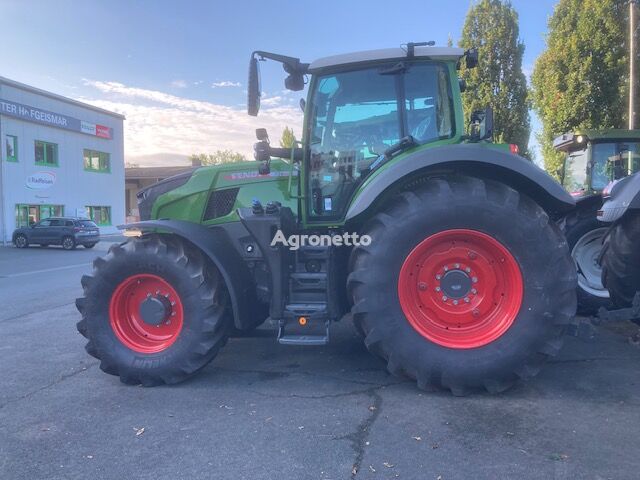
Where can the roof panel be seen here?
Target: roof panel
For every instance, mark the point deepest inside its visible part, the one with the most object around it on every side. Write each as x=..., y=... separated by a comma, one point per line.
x=439, y=53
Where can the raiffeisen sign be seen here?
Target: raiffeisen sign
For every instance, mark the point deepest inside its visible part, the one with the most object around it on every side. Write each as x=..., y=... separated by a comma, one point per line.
x=40, y=180
x=44, y=117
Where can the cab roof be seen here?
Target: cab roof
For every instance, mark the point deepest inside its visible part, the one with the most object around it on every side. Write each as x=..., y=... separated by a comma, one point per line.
x=366, y=56
x=578, y=139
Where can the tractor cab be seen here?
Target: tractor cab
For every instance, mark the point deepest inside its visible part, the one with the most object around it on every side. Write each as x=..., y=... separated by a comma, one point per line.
x=364, y=109
x=596, y=158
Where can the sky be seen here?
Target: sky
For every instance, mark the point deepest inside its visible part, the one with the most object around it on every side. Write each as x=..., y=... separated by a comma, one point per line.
x=178, y=69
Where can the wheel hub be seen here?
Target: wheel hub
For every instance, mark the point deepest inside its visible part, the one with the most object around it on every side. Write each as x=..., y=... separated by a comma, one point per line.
x=456, y=284
x=155, y=310
x=460, y=289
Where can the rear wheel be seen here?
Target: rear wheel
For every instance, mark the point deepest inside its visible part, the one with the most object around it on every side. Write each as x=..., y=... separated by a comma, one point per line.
x=21, y=241
x=455, y=295
x=621, y=260
x=89, y=245
x=154, y=311
x=585, y=235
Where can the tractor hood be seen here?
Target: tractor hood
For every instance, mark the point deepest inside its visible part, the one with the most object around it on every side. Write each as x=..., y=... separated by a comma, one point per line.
x=190, y=195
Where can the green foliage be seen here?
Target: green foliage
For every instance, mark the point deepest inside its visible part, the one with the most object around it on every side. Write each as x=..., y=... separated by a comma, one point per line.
x=491, y=26
x=580, y=80
x=288, y=139
x=218, y=157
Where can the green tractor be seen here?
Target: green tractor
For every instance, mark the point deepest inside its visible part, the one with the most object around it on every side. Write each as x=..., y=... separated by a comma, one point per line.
x=443, y=248
x=593, y=159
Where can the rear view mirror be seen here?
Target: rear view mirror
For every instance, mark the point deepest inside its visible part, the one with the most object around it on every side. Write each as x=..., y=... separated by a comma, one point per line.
x=471, y=58
x=253, y=88
x=481, y=127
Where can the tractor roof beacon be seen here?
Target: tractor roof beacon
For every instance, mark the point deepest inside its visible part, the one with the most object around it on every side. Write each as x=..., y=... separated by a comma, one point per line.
x=593, y=159
x=464, y=282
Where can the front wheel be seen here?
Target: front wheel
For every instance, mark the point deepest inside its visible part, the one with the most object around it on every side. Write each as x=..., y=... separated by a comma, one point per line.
x=466, y=284
x=68, y=243
x=585, y=235
x=154, y=311
x=621, y=260
x=21, y=241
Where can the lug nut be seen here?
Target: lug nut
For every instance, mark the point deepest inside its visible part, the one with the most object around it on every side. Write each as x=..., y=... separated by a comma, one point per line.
x=446, y=269
x=173, y=314
x=437, y=289
x=466, y=300
x=455, y=302
x=474, y=291
x=438, y=277
x=457, y=265
x=148, y=295
x=444, y=298
x=468, y=270
x=474, y=279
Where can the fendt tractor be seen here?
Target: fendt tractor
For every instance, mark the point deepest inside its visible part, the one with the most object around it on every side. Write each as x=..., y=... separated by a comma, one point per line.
x=594, y=158
x=621, y=251
x=461, y=279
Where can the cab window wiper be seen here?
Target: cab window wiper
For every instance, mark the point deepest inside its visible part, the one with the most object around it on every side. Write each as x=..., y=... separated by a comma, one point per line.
x=400, y=146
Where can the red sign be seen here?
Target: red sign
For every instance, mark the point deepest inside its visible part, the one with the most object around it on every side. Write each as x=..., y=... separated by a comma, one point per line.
x=103, y=132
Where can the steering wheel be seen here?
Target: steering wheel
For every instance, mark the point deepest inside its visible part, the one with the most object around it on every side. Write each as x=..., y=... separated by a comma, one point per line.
x=420, y=132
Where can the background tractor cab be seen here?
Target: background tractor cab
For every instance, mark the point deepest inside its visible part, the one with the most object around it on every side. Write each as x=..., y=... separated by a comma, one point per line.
x=594, y=158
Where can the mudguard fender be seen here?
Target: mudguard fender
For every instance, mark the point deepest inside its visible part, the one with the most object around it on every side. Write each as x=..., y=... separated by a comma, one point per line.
x=467, y=159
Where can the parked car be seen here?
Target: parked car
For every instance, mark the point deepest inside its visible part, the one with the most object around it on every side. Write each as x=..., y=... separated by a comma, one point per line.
x=66, y=231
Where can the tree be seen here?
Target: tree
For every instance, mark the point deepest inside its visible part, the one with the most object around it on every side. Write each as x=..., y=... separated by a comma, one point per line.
x=580, y=80
x=216, y=158
x=288, y=139
x=492, y=27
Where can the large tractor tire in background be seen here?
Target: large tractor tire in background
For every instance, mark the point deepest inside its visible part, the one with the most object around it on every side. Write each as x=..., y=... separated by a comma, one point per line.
x=466, y=284
x=621, y=260
x=154, y=311
x=585, y=235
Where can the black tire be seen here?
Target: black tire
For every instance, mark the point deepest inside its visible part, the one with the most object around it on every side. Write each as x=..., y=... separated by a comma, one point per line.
x=68, y=243
x=202, y=293
x=621, y=260
x=89, y=245
x=21, y=241
x=521, y=226
x=585, y=234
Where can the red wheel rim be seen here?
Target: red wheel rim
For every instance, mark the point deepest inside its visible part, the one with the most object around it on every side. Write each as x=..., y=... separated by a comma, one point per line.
x=460, y=289
x=126, y=319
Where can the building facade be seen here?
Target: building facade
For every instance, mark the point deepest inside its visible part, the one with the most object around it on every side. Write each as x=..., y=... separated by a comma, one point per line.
x=60, y=157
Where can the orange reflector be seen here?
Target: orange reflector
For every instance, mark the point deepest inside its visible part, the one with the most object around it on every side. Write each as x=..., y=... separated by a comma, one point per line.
x=302, y=321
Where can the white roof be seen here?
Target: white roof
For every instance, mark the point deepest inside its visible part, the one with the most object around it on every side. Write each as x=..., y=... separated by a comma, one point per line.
x=55, y=96
x=439, y=53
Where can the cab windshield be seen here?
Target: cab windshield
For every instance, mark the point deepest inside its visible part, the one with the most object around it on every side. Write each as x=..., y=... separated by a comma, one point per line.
x=358, y=115
x=609, y=161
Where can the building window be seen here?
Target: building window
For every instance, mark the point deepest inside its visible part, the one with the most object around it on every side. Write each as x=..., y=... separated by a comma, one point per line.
x=100, y=215
x=46, y=154
x=29, y=214
x=11, y=147
x=97, y=161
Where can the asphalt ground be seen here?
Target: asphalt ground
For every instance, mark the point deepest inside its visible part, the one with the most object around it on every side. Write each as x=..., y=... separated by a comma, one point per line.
x=264, y=411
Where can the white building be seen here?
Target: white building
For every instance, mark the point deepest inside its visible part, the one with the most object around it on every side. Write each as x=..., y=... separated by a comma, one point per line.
x=59, y=157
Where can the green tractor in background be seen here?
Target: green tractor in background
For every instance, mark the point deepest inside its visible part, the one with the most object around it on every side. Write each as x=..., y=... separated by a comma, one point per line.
x=443, y=248
x=594, y=159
